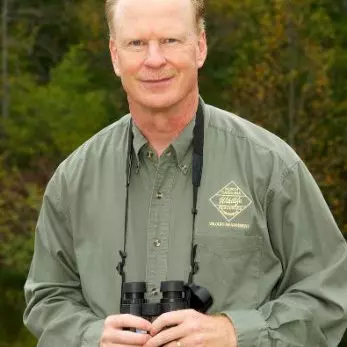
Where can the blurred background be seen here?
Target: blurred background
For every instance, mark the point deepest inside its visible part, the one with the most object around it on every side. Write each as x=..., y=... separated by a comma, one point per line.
x=279, y=63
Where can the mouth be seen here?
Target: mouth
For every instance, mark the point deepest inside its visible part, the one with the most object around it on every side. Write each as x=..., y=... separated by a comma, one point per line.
x=158, y=80
x=157, y=83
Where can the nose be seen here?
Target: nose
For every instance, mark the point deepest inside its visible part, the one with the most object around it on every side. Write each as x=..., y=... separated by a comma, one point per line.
x=154, y=57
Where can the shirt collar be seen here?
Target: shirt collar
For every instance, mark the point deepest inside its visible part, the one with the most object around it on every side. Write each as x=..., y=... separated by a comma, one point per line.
x=183, y=141
x=138, y=141
x=181, y=144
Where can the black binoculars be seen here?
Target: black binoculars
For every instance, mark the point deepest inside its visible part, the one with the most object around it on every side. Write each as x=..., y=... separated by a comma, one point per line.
x=176, y=295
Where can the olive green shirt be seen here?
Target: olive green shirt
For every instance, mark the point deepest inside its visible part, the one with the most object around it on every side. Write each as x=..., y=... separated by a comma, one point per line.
x=269, y=250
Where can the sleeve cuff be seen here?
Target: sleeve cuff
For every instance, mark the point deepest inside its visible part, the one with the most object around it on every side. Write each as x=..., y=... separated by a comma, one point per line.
x=249, y=325
x=91, y=337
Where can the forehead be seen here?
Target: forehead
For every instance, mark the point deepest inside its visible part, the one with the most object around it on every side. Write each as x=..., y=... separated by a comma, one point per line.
x=153, y=16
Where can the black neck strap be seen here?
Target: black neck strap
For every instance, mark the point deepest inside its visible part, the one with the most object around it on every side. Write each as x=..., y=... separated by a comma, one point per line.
x=197, y=165
x=123, y=253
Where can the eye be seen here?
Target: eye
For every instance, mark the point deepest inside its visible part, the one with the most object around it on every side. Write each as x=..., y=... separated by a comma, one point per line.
x=169, y=40
x=136, y=43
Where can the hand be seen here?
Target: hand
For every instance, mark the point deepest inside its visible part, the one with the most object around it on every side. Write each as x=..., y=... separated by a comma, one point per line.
x=113, y=334
x=191, y=328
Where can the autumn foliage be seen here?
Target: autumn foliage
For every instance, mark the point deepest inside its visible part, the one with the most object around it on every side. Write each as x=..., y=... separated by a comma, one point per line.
x=279, y=63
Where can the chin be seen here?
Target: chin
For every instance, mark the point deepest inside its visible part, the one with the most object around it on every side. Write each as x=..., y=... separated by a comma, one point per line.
x=159, y=102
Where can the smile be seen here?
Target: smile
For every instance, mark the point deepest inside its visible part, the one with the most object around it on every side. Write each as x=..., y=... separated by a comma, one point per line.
x=157, y=83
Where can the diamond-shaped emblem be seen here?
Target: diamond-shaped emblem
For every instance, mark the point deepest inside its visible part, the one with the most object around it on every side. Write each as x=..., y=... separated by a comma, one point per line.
x=230, y=201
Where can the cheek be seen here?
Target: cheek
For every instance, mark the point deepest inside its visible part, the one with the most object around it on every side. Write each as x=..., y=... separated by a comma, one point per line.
x=183, y=64
x=129, y=65
x=189, y=60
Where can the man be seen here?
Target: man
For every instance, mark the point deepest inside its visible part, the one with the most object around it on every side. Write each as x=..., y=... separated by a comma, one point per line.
x=268, y=248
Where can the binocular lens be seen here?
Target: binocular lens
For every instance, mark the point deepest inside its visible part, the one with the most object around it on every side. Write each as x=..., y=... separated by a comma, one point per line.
x=134, y=298
x=134, y=292
x=173, y=296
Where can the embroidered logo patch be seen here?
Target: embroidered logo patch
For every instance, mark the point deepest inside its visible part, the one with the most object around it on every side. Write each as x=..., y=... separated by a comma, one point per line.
x=230, y=201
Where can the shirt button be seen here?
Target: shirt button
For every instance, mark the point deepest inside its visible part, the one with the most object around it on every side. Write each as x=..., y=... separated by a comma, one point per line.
x=157, y=243
x=150, y=154
x=168, y=154
x=154, y=292
x=184, y=168
x=159, y=195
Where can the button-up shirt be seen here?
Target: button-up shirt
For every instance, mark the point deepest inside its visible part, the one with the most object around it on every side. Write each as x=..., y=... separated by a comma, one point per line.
x=269, y=250
x=160, y=223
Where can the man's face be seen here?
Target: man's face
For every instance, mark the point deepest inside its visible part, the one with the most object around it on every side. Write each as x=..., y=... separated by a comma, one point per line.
x=156, y=51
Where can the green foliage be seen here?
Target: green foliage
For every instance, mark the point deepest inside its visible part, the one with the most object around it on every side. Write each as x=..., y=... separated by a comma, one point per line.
x=19, y=205
x=11, y=308
x=52, y=120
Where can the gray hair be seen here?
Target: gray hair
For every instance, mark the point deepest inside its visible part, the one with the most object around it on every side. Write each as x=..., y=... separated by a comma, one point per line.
x=199, y=7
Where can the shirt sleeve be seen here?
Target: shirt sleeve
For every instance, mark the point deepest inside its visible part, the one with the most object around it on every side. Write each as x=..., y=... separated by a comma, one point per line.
x=308, y=306
x=56, y=311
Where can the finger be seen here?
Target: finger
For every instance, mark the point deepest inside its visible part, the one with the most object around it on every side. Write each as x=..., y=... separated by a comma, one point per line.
x=183, y=342
x=116, y=336
x=127, y=321
x=169, y=319
x=188, y=341
x=168, y=335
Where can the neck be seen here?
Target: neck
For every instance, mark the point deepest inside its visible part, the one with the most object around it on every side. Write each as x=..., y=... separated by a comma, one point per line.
x=162, y=126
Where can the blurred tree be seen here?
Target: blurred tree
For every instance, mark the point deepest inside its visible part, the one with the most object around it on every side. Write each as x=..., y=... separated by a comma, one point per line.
x=50, y=121
x=19, y=204
x=279, y=63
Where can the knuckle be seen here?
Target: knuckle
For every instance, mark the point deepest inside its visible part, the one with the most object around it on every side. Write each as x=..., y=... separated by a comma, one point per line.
x=108, y=321
x=194, y=326
x=192, y=313
x=164, y=318
x=197, y=314
x=120, y=319
x=199, y=340
x=114, y=321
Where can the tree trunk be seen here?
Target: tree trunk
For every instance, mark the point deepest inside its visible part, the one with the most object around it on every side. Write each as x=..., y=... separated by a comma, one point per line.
x=5, y=82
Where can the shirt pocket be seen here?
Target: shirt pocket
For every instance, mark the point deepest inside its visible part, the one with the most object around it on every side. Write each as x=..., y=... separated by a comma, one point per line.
x=229, y=267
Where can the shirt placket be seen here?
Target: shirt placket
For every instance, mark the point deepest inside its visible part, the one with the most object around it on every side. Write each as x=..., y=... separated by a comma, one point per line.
x=159, y=223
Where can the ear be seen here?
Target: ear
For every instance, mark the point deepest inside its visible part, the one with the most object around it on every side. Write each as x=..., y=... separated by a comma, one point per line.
x=114, y=56
x=202, y=49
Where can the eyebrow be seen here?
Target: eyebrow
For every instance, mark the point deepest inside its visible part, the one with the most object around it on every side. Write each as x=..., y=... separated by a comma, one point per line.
x=180, y=36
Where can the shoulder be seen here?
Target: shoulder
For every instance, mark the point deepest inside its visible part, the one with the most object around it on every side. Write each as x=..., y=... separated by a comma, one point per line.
x=241, y=132
x=95, y=153
x=114, y=133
